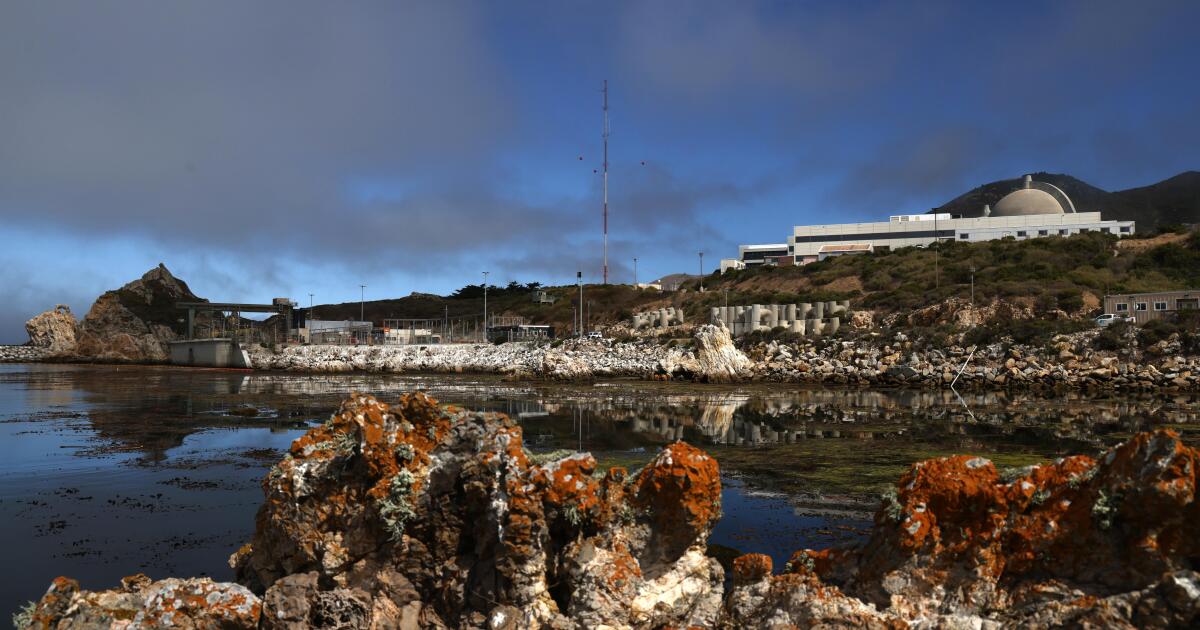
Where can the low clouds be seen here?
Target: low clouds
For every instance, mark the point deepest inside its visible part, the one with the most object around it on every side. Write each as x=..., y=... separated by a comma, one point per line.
x=205, y=122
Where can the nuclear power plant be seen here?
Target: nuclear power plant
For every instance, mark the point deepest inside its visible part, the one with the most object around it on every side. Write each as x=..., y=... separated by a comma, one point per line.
x=1034, y=210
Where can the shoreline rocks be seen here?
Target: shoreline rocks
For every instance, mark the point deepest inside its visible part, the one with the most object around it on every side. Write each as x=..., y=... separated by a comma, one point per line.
x=53, y=330
x=1068, y=363
x=420, y=515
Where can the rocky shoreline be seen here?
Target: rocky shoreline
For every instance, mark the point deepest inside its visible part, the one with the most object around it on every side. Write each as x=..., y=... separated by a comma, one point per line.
x=1067, y=362
x=133, y=325
x=419, y=515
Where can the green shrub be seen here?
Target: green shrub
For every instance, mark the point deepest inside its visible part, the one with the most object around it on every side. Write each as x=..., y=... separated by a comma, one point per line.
x=1112, y=338
x=1156, y=330
x=1070, y=300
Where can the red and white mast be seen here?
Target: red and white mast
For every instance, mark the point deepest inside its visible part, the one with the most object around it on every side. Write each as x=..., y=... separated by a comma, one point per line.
x=605, y=136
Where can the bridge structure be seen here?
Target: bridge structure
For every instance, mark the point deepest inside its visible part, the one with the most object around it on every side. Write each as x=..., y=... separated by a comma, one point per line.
x=281, y=306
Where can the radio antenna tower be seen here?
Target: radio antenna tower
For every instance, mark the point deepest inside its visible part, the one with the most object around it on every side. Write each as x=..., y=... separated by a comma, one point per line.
x=605, y=136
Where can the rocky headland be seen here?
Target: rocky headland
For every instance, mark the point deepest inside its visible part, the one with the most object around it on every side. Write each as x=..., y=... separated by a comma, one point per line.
x=128, y=325
x=416, y=515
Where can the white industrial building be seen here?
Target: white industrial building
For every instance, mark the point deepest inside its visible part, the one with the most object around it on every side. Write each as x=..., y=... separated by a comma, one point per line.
x=1035, y=210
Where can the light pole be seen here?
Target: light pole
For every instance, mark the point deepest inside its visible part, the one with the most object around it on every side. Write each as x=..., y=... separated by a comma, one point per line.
x=702, y=272
x=362, y=304
x=579, y=278
x=485, y=324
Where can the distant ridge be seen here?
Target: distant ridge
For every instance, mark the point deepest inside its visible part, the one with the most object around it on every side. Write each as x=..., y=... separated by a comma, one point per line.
x=1174, y=200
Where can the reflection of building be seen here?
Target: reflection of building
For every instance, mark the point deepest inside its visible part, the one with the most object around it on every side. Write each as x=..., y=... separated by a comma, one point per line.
x=1035, y=210
x=1147, y=306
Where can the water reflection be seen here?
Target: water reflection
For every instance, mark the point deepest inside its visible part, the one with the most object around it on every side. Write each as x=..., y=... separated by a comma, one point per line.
x=105, y=470
x=152, y=410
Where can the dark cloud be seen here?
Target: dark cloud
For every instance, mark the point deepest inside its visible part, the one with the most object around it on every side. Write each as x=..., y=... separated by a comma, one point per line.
x=413, y=138
x=205, y=122
x=913, y=169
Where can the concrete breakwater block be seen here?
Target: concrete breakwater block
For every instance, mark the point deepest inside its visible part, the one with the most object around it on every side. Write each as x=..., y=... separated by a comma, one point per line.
x=805, y=318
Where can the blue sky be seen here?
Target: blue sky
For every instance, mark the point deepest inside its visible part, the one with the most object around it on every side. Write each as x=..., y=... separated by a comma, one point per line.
x=281, y=148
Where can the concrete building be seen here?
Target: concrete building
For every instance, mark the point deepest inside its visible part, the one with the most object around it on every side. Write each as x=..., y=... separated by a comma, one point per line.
x=1147, y=306
x=1035, y=210
x=757, y=255
x=219, y=352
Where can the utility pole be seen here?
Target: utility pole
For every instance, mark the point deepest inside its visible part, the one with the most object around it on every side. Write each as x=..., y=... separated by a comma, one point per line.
x=702, y=272
x=362, y=309
x=310, y=317
x=485, y=322
x=579, y=278
x=605, y=136
x=635, y=285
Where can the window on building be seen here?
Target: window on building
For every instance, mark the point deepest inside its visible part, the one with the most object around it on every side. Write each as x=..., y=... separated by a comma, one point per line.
x=1064, y=232
x=1106, y=230
x=963, y=236
x=1125, y=228
x=1140, y=306
x=1020, y=232
x=1122, y=307
x=1160, y=306
x=1043, y=232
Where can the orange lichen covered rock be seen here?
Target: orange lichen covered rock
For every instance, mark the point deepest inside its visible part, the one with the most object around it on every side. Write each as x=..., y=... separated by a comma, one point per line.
x=682, y=488
x=1110, y=541
x=751, y=567
x=171, y=603
x=414, y=514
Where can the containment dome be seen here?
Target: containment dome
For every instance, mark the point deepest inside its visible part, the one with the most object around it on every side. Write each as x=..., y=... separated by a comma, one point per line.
x=1025, y=202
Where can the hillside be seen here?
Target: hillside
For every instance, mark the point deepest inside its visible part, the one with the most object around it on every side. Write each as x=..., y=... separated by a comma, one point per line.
x=1171, y=201
x=1070, y=274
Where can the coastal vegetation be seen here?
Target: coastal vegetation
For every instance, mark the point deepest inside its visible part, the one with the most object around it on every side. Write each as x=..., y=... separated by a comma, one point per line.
x=1049, y=275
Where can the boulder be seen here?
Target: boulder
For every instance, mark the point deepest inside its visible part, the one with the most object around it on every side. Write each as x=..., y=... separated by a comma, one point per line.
x=862, y=320
x=53, y=330
x=417, y=512
x=195, y=603
x=717, y=359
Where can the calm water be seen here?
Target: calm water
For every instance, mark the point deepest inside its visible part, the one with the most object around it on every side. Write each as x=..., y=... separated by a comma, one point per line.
x=108, y=471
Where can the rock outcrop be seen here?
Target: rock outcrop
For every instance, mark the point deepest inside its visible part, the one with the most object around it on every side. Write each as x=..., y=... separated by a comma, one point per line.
x=1079, y=542
x=140, y=603
x=415, y=515
x=134, y=323
x=53, y=330
x=717, y=359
